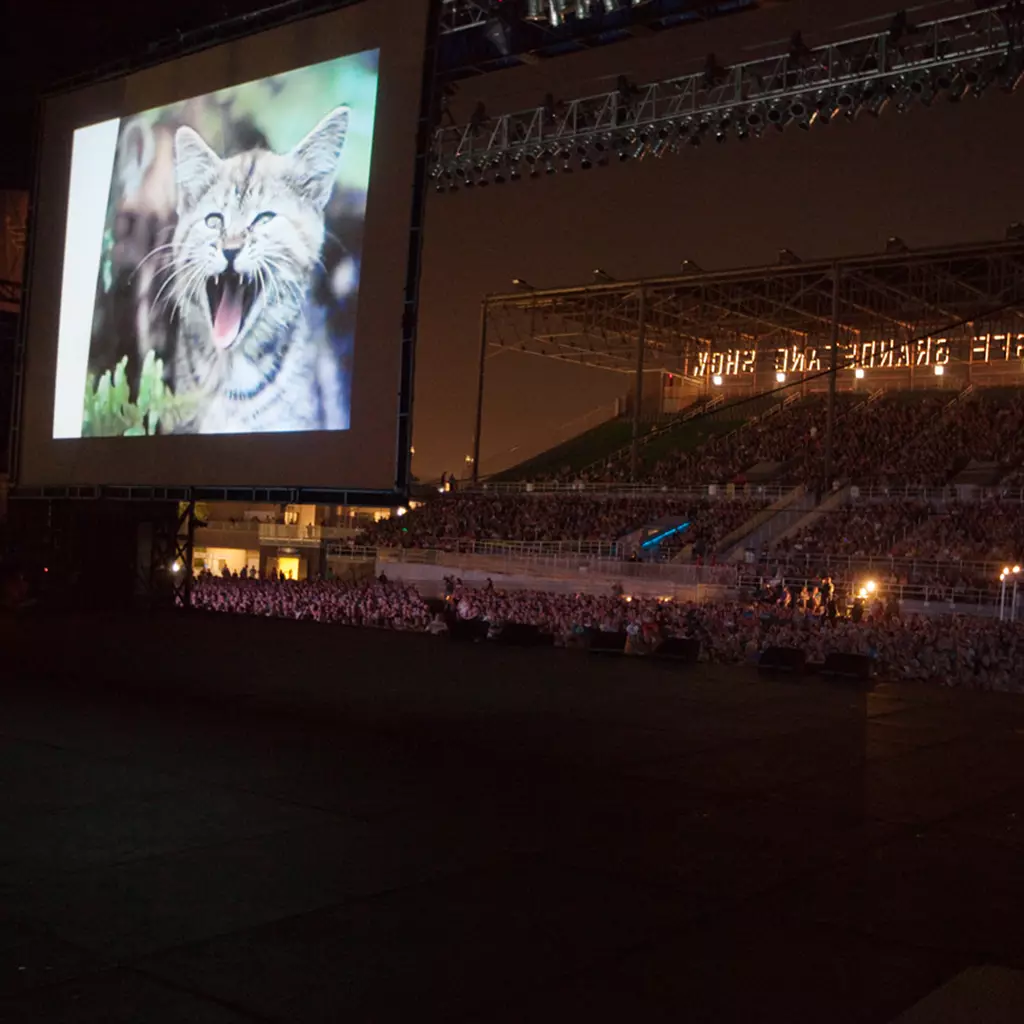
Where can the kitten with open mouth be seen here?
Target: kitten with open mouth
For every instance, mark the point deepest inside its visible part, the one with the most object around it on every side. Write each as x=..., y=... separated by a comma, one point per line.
x=248, y=241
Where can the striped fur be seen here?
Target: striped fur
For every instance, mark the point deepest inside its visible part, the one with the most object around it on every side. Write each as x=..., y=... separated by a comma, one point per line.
x=257, y=219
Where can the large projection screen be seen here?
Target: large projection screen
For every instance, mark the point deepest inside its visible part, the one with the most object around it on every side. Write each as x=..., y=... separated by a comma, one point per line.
x=219, y=263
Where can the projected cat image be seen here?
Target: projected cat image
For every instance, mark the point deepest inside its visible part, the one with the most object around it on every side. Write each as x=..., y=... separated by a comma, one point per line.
x=249, y=236
x=213, y=260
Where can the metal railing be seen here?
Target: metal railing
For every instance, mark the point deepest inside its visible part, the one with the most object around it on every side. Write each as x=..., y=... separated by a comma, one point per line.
x=881, y=567
x=963, y=493
x=305, y=534
x=924, y=593
x=597, y=488
x=235, y=526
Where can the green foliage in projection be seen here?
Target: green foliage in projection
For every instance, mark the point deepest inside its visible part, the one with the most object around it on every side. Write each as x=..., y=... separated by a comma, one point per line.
x=110, y=411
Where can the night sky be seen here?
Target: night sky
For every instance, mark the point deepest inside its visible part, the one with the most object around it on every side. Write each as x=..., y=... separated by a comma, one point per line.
x=951, y=173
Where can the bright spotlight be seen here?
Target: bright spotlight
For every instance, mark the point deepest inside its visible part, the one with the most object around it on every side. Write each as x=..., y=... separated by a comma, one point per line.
x=939, y=371
x=176, y=567
x=870, y=586
x=1016, y=568
x=780, y=377
x=717, y=380
x=859, y=373
x=401, y=510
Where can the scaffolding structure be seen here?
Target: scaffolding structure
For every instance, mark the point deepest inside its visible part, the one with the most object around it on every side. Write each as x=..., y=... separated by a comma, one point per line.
x=956, y=307
x=953, y=57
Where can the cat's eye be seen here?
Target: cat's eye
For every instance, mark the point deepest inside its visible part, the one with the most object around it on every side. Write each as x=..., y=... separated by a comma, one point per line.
x=263, y=218
x=214, y=221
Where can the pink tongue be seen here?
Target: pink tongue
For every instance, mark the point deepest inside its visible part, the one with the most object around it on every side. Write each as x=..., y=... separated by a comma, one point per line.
x=228, y=318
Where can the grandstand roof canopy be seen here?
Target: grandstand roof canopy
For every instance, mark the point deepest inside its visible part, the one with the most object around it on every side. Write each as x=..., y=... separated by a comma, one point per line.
x=951, y=291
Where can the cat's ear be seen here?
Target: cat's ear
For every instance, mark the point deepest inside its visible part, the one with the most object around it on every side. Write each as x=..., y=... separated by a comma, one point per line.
x=195, y=167
x=315, y=158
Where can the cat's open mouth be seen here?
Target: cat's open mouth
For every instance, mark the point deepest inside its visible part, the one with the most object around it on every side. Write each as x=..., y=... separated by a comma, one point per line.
x=231, y=297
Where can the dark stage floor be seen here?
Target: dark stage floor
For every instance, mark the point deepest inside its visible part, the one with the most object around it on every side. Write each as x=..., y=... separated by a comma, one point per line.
x=220, y=820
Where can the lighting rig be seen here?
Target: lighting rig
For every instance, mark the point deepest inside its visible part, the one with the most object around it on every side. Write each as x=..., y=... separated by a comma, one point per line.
x=952, y=59
x=462, y=15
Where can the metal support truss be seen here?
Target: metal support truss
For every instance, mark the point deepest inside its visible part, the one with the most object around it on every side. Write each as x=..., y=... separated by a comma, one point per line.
x=888, y=300
x=954, y=56
x=460, y=15
x=170, y=569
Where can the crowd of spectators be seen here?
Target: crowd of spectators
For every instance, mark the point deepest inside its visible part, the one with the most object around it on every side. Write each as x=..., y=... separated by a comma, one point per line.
x=869, y=436
x=920, y=438
x=986, y=426
x=982, y=531
x=855, y=530
x=774, y=438
x=949, y=650
x=369, y=603
x=450, y=519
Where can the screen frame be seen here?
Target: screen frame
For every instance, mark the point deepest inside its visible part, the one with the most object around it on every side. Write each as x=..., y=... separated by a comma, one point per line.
x=344, y=491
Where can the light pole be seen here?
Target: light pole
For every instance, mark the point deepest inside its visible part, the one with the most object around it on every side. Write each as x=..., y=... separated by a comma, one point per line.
x=1012, y=575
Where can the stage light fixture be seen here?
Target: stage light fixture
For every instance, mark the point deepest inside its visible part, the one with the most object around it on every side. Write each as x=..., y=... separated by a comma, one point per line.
x=859, y=373
x=799, y=114
x=556, y=13
x=535, y=10
x=845, y=105
x=921, y=90
x=939, y=371
x=780, y=377
x=717, y=380
x=610, y=6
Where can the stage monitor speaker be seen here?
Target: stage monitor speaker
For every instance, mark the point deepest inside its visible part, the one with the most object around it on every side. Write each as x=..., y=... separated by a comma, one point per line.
x=466, y=631
x=847, y=666
x=685, y=650
x=607, y=643
x=782, y=659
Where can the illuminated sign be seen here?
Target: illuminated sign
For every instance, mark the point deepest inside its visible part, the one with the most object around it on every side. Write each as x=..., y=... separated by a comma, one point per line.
x=881, y=354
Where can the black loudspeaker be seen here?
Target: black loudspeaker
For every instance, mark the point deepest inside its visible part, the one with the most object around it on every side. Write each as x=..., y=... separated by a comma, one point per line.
x=847, y=666
x=466, y=631
x=685, y=650
x=520, y=634
x=607, y=643
x=782, y=659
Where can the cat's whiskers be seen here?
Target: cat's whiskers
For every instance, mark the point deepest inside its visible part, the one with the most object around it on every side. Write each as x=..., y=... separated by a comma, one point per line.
x=171, y=283
x=150, y=255
x=283, y=278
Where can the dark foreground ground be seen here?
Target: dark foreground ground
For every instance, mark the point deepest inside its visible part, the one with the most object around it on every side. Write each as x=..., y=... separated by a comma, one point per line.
x=221, y=820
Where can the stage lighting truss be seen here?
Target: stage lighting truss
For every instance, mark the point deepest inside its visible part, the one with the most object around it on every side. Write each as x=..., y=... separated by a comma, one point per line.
x=461, y=15
x=954, y=57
